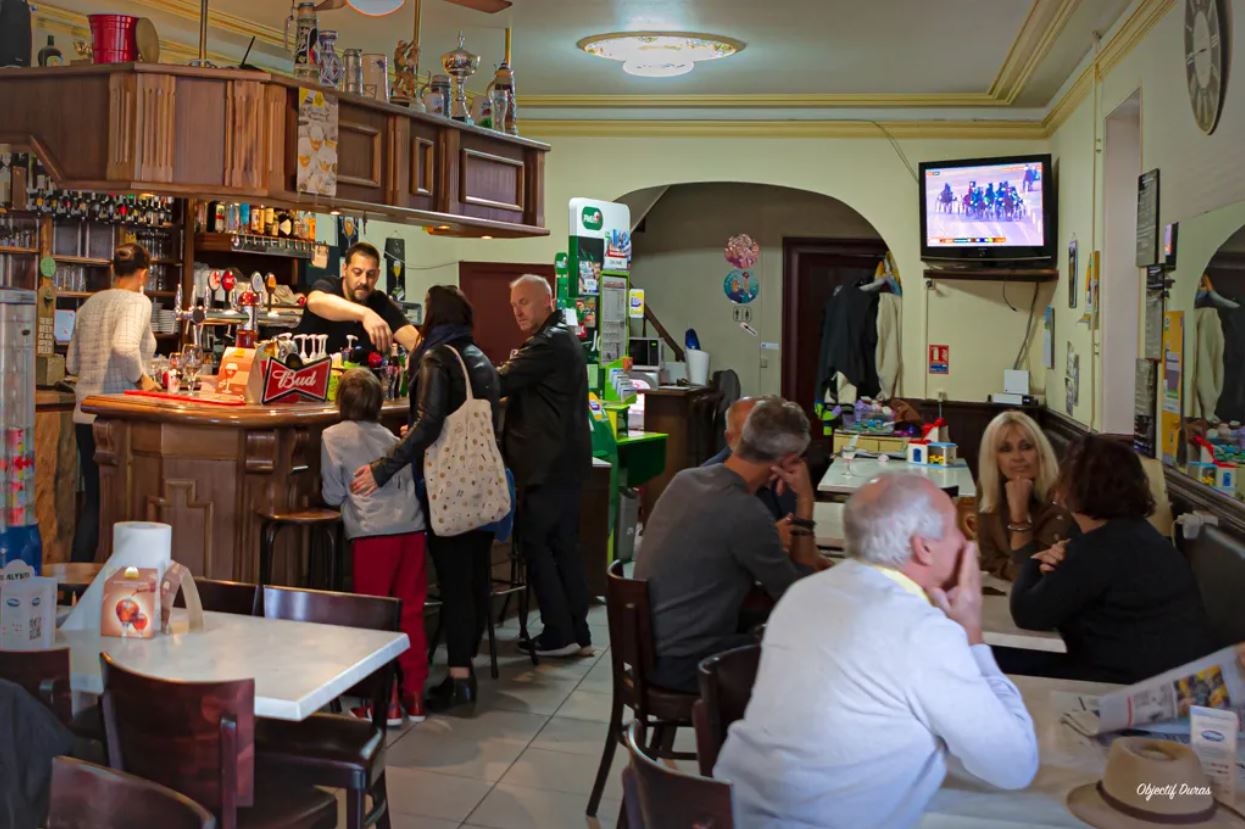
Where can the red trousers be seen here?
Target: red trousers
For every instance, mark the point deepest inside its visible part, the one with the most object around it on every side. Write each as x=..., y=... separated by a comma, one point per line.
x=393, y=565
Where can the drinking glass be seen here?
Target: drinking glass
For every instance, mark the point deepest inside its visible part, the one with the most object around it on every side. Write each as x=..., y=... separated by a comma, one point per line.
x=192, y=361
x=849, y=454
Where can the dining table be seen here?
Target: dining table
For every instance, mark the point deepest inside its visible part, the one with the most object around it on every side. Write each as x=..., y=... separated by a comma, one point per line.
x=844, y=477
x=1067, y=759
x=298, y=667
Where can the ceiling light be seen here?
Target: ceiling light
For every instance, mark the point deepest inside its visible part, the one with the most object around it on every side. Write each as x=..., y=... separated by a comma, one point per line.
x=659, y=54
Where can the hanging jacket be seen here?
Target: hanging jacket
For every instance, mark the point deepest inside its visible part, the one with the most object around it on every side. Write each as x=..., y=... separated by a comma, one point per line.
x=1207, y=361
x=849, y=339
x=888, y=359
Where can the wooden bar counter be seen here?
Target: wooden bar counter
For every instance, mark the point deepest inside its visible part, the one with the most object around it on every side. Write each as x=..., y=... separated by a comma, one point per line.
x=208, y=470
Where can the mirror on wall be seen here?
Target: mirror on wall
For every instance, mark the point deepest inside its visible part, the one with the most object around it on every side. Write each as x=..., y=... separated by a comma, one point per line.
x=1210, y=291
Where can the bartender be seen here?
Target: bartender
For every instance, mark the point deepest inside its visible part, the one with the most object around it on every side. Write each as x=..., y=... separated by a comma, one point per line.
x=352, y=305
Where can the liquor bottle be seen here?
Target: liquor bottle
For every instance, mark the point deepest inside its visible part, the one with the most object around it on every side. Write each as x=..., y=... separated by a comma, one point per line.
x=270, y=221
x=51, y=56
x=285, y=225
x=311, y=227
x=244, y=218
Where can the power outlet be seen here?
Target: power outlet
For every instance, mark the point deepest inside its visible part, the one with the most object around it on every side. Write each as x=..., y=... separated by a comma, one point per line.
x=941, y=394
x=741, y=313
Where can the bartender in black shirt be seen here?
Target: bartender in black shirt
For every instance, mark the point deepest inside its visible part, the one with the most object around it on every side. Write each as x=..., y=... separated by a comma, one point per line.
x=352, y=305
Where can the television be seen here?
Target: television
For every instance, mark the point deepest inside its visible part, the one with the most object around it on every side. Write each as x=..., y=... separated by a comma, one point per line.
x=988, y=210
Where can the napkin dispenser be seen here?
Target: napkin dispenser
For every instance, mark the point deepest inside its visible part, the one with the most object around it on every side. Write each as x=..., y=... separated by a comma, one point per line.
x=27, y=609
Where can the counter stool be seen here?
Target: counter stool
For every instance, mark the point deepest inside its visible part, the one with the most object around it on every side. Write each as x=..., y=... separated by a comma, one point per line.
x=325, y=519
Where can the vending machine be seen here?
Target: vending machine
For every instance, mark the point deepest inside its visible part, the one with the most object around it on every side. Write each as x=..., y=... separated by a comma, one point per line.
x=19, y=529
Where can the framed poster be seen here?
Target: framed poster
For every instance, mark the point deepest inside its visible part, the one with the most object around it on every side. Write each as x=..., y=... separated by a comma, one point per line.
x=1173, y=386
x=1148, y=218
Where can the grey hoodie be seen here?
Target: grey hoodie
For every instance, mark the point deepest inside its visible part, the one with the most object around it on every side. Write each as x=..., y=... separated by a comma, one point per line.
x=390, y=510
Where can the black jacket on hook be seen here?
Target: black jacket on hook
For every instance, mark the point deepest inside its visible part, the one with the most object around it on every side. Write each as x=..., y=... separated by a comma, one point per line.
x=849, y=341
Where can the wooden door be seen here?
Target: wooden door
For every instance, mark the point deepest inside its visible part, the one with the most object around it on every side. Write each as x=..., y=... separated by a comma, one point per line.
x=812, y=269
x=487, y=287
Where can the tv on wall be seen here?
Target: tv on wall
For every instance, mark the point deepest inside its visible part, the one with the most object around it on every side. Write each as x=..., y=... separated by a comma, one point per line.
x=988, y=210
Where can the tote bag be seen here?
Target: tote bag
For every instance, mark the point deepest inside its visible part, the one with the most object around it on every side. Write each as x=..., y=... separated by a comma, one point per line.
x=463, y=470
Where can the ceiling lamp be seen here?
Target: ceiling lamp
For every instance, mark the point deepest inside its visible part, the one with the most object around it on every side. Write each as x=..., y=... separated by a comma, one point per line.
x=371, y=8
x=659, y=54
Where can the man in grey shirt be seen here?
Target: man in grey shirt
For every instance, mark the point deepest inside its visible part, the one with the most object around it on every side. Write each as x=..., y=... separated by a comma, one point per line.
x=709, y=541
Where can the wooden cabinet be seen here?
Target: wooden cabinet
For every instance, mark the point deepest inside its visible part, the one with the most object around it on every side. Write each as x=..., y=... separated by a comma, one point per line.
x=687, y=426
x=233, y=134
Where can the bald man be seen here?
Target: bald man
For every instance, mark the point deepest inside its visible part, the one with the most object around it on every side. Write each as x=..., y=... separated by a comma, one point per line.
x=874, y=672
x=780, y=504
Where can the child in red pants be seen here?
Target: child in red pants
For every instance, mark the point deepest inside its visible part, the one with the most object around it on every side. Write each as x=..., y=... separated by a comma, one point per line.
x=386, y=528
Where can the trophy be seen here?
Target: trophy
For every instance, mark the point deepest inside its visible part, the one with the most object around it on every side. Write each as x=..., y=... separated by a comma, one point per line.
x=460, y=65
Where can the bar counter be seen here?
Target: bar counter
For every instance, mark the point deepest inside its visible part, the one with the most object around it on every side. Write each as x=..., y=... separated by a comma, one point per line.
x=208, y=471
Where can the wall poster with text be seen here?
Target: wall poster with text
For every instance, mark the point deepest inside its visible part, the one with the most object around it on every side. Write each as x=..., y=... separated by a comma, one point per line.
x=1173, y=385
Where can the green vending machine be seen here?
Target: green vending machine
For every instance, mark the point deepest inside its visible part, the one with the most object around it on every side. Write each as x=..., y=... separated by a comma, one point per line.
x=594, y=289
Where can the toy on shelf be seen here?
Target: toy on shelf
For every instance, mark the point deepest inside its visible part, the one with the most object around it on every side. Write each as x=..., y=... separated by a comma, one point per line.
x=934, y=447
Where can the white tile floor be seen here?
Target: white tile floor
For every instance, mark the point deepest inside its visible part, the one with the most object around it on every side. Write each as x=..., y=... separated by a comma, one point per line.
x=526, y=760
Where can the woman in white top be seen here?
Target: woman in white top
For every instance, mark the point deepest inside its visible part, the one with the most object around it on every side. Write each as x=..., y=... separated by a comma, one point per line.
x=111, y=346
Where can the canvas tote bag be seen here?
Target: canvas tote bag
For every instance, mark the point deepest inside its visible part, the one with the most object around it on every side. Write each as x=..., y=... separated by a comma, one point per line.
x=463, y=470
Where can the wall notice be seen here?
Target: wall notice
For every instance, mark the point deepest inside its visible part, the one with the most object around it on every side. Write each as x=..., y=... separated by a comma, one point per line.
x=1173, y=385
x=940, y=359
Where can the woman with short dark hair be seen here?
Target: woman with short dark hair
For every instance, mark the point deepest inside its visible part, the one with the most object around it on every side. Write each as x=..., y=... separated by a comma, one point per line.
x=438, y=388
x=1123, y=598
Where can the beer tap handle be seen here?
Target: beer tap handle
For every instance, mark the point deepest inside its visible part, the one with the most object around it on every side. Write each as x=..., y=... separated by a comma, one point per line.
x=322, y=346
x=302, y=346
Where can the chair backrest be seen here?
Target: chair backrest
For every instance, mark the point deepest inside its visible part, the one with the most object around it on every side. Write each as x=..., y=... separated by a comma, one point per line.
x=670, y=798
x=197, y=738
x=87, y=796
x=44, y=674
x=327, y=607
x=1218, y=562
x=220, y=596
x=631, y=632
x=726, y=681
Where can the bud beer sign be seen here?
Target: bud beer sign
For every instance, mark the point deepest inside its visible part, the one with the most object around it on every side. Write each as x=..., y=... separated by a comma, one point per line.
x=282, y=383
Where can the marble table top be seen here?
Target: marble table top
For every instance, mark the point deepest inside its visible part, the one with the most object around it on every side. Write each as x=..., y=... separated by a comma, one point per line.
x=838, y=480
x=298, y=667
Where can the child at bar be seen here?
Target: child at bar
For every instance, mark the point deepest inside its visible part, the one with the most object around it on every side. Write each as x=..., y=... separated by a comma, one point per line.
x=385, y=528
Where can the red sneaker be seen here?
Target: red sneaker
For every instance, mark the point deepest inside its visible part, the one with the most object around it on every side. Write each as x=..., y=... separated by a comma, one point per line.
x=415, y=711
x=394, y=718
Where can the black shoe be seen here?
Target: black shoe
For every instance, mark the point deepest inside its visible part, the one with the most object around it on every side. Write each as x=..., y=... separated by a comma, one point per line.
x=544, y=648
x=451, y=693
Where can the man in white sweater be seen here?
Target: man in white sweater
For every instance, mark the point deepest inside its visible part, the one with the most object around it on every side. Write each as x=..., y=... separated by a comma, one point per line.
x=874, y=670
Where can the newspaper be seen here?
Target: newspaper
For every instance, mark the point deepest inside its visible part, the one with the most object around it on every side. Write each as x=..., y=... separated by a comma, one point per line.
x=1159, y=706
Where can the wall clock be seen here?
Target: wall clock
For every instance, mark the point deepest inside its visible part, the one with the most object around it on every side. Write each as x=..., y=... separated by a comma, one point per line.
x=1206, y=60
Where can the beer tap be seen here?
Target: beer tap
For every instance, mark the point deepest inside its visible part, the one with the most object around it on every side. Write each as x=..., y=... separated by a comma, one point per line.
x=322, y=346
x=302, y=347
x=192, y=316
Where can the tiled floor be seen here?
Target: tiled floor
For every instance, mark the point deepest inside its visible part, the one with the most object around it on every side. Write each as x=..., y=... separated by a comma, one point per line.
x=528, y=757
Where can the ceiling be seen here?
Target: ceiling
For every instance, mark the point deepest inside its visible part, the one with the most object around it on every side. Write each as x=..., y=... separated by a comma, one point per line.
x=815, y=53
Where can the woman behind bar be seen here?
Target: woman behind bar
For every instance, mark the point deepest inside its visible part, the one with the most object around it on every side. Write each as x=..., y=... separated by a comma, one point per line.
x=111, y=346
x=1015, y=514
x=1123, y=598
x=438, y=388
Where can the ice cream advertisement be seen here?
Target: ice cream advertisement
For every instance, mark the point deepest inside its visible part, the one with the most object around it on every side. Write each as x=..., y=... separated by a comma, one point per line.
x=317, y=143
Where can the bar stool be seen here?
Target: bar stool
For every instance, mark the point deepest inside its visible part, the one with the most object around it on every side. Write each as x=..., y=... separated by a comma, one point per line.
x=325, y=519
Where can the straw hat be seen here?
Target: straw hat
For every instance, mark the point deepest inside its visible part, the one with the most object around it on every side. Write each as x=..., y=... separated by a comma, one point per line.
x=1151, y=783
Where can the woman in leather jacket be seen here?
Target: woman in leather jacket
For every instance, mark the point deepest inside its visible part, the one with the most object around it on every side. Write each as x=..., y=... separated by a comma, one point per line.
x=463, y=562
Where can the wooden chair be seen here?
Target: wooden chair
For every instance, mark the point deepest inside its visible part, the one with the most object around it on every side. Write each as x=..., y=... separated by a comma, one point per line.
x=632, y=653
x=87, y=796
x=45, y=675
x=331, y=749
x=220, y=596
x=725, y=687
x=198, y=738
x=666, y=798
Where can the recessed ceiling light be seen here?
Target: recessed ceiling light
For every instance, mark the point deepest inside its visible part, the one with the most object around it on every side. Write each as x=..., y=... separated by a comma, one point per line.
x=659, y=54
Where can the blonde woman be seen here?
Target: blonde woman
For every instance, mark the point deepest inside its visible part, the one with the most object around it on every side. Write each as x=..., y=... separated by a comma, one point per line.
x=1015, y=514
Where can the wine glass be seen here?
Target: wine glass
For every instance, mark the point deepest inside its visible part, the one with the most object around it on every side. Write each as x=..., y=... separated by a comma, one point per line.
x=192, y=361
x=848, y=452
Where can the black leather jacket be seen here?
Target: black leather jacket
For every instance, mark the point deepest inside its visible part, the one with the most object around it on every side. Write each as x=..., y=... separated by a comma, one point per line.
x=437, y=390
x=547, y=439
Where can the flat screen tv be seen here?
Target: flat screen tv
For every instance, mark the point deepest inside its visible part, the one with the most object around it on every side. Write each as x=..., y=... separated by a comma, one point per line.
x=988, y=210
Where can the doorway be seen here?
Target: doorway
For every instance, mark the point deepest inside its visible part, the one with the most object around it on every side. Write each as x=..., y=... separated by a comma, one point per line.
x=812, y=270
x=1121, y=279
x=487, y=287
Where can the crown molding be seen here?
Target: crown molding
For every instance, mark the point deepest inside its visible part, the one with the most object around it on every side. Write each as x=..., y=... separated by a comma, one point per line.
x=224, y=21
x=762, y=100
x=1042, y=27
x=783, y=129
x=1144, y=17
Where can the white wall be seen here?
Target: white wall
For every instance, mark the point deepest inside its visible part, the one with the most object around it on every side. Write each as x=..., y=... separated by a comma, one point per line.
x=679, y=264
x=1198, y=173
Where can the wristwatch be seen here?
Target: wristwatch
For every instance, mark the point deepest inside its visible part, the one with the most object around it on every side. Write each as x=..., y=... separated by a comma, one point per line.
x=805, y=523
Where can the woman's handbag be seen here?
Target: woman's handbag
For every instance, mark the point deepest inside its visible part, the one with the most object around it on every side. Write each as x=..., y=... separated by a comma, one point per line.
x=463, y=469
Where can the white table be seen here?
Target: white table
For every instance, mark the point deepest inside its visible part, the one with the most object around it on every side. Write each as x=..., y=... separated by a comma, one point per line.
x=838, y=482
x=298, y=667
x=1067, y=760
x=998, y=629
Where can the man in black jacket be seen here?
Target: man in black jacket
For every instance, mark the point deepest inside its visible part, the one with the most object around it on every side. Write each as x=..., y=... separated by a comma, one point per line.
x=548, y=446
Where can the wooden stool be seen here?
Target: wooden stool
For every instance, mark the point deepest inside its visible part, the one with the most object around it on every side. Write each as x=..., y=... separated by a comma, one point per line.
x=323, y=518
x=72, y=577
